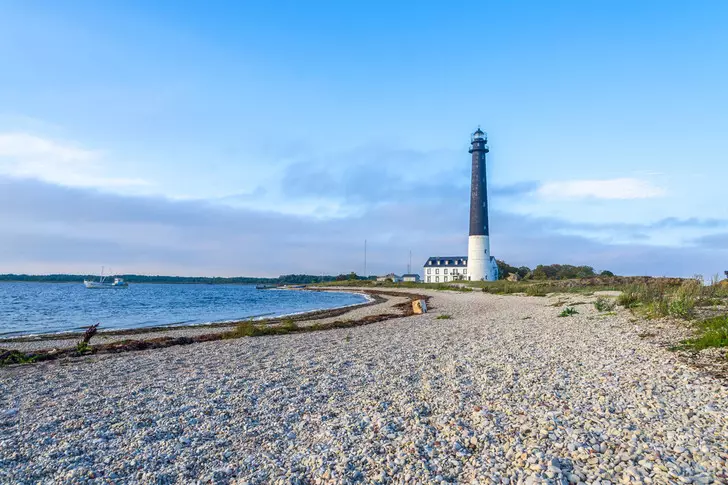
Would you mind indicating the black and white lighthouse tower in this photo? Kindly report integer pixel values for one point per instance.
(481, 266)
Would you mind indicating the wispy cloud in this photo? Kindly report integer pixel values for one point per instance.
(619, 188)
(52, 228)
(24, 155)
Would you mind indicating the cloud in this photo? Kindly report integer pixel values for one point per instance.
(49, 228)
(29, 156)
(714, 241)
(513, 190)
(620, 188)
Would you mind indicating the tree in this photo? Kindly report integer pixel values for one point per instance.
(606, 273)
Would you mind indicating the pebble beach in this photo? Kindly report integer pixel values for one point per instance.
(502, 391)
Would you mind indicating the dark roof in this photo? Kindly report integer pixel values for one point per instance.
(447, 261)
(479, 131)
(410, 275)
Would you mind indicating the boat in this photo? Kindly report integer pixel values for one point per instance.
(265, 287)
(104, 282)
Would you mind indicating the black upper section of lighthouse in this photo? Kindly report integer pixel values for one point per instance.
(478, 186)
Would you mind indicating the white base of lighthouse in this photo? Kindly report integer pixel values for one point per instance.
(481, 266)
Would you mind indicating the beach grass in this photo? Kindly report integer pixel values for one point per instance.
(712, 332)
(660, 299)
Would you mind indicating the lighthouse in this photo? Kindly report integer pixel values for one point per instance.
(481, 265)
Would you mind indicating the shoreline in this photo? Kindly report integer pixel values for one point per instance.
(382, 305)
(74, 334)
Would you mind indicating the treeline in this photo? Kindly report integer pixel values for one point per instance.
(290, 279)
(549, 272)
(352, 277)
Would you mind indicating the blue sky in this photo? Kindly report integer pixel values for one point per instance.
(229, 138)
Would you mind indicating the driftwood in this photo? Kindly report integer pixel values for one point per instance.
(90, 332)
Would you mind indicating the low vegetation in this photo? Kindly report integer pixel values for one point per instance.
(712, 332)
(679, 298)
(443, 317)
(583, 286)
(568, 312)
(10, 357)
(603, 304)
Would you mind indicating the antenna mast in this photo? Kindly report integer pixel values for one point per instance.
(365, 259)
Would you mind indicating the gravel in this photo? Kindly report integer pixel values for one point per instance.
(502, 392)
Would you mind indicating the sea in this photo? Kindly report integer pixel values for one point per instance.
(41, 308)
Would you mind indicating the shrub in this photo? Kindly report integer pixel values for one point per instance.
(604, 304)
(568, 311)
(632, 295)
(658, 307)
(443, 317)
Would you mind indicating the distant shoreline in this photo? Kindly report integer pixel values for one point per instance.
(132, 282)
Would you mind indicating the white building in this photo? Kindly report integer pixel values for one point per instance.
(411, 278)
(446, 268)
(390, 276)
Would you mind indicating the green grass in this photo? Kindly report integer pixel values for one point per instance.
(83, 347)
(712, 332)
(15, 357)
(250, 329)
(443, 317)
(568, 311)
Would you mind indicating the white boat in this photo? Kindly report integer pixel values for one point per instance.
(105, 283)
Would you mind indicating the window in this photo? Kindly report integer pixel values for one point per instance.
(437, 270)
(428, 279)
(428, 270)
(455, 271)
(445, 271)
(445, 279)
(437, 279)
(438, 262)
(465, 271)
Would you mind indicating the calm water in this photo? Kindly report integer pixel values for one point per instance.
(31, 308)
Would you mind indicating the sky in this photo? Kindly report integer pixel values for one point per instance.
(256, 138)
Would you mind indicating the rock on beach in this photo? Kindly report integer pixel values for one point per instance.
(504, 391)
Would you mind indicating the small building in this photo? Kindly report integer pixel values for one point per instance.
(391, 276)
(411, 278)
(441, 269)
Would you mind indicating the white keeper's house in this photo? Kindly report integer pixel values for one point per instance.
(441, 269)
